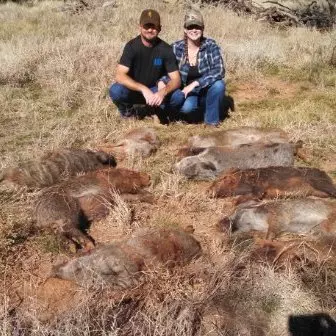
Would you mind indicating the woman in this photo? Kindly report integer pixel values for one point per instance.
(202, 71)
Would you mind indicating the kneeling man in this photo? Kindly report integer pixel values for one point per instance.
(144, 61)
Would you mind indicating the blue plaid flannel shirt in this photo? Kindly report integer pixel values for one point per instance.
(210, 63)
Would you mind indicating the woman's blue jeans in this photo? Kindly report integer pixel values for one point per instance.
(125, 98)
(209, 100)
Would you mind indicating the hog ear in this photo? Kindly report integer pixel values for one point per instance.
(208, 171)
(197, 150)
(183, 152)
(55, 270)
(225, 225)
(298, 144)
(233, 170)
(208, 165)
(189, 229)
(106, 158)
(229, 173)
(211, 191)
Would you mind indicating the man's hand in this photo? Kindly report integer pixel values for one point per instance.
(153, 99)
(159, 97)
(148, 95)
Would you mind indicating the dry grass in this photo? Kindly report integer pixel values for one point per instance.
(226, 295)
(55, 70)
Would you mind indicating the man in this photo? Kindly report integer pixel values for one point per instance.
(144, 61)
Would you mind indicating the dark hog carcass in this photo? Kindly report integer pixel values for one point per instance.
(273, 182)
(67, 208)
(54, 167)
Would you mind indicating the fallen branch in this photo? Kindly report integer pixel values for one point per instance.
(278, 4)
(311, 15)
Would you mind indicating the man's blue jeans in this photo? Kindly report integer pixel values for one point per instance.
(209, 100)
(125, 98)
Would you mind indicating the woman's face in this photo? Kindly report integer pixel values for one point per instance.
(194, 32)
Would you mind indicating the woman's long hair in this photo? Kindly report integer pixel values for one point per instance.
(185, 57)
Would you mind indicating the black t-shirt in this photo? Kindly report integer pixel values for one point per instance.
(148, 64)
(193, 74)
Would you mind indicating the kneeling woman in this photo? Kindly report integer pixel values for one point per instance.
(202, 71)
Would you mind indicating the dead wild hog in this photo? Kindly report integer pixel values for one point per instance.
(297, 249)
(122, 180)
(233, 138)
(144, 133)
(236, 137)
(95, 191)
(69, 206)
(59, 212)
(55, 166)
(273, 182)
(138, 142)
(121, 263)
(300, 216)
(214, 160)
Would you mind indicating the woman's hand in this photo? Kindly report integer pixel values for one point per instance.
(189, 88)
(161, 85)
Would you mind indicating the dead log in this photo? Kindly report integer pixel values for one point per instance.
(312, 15)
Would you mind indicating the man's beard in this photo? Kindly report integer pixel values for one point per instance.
(153, 40)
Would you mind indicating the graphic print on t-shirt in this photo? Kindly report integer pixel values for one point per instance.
(157, 61)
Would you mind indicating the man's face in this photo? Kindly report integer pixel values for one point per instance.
(149, 31)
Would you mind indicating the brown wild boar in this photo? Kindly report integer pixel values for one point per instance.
(212, 161)
(120, 263)
(56, 166)
(301, 216)
(273, 182)
(138, 142)
(68, 207)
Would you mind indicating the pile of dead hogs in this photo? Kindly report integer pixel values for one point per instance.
(254, 167)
